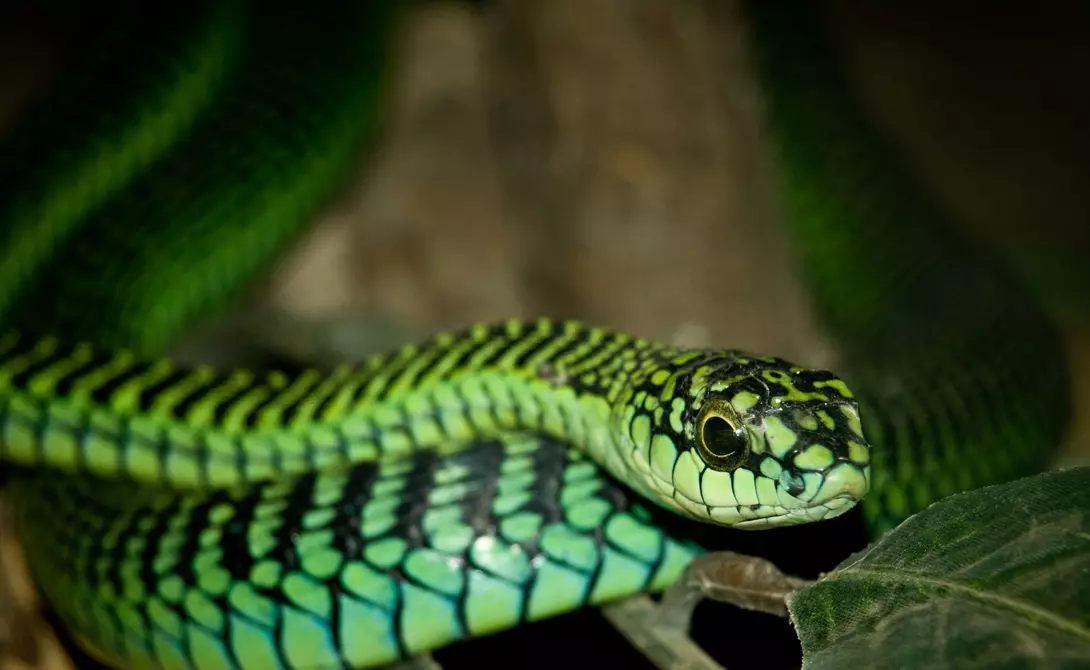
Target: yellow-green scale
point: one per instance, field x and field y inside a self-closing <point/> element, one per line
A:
<point x="206" y="429"/>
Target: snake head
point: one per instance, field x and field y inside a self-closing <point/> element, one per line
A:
<point x="752" y="442"/>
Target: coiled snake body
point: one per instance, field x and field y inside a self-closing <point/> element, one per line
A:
<point x="185" y="517"/>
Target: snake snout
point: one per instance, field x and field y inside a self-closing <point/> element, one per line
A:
<point x="846" y="483"/>
<point x="827" y="466"/>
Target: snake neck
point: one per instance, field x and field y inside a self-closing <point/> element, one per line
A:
<point x="112" y="414"/>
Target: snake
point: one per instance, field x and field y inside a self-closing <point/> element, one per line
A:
<point x="184" y="516"/>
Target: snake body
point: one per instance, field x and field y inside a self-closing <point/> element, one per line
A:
<point x="190" y="517"/>
<point x="300" y="567"/>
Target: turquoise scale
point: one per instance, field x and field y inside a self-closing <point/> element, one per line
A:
<point x="357" y="568"/>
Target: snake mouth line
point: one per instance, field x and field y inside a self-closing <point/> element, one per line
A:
<point x="829" y="509"/>
<point x="764" y="516"/>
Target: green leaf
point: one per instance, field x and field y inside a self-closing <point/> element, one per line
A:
<point x="994" y="578"/>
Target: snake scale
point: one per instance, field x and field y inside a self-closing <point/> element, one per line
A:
<point x="182" y="517"/>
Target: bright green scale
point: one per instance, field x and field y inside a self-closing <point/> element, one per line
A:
<point x="191" y="518"/>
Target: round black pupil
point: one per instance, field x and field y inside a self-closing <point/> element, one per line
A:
<point x="720" y="438"/>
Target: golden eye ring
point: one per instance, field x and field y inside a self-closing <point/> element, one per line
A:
<point x="721" y="439"/>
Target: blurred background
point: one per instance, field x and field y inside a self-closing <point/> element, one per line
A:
<point x="603" y="161"/>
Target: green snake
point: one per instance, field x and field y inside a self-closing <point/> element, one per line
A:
<point x="183" y="517"/>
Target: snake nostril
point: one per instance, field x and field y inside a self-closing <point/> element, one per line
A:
<point x="793" y="483"/>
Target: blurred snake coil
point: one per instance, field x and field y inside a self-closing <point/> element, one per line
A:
<point x="182" y="517"/>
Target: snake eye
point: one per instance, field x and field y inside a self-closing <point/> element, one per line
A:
<point x="723" y="444"/>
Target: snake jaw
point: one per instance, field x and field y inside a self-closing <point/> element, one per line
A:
<point x="745" y="498"/>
